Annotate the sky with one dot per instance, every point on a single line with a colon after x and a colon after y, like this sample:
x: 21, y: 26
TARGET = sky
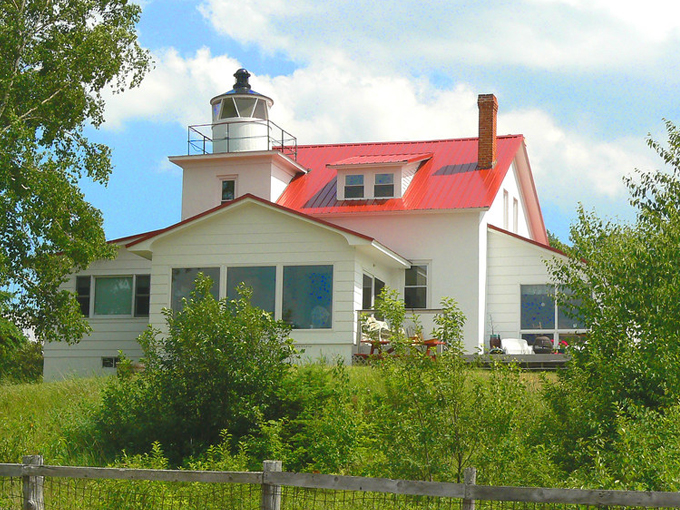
x: 585, y: 81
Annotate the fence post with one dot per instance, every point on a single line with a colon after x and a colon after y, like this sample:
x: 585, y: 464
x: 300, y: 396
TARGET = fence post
x: 470, y: 478
x: 271, y: 494
x: 33, y: 485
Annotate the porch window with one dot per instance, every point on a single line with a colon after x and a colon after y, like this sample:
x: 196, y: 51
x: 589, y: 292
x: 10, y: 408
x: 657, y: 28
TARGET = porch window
x: 371, y: 290
x: 541, y: 315
x: 354, y: 186
x: 415, y: 287
x: 183, y: 283
x: 308, y: 296
x: 261, y: 279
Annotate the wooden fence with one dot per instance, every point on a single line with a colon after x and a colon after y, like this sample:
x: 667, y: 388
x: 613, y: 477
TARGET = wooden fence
x: 272, y: 479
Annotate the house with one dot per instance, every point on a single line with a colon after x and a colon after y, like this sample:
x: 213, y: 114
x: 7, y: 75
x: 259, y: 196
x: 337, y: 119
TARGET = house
x: 318, y: 230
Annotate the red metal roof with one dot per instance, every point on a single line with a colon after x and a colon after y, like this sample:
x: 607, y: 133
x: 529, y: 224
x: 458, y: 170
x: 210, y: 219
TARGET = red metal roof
x: 387, y: 159
x: 449, y: 179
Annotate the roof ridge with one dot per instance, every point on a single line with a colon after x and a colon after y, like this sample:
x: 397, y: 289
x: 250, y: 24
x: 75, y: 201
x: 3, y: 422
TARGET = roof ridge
x: 406, y: 142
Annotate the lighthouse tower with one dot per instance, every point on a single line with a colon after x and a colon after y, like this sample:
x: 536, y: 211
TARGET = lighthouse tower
x: 240, y: 118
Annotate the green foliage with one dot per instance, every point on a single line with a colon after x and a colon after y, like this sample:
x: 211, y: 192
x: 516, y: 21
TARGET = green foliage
x: 449, y: 324
x: 56, y: 56
x: 20, y: 360
x: 219, y: 367
x: 625, y: 279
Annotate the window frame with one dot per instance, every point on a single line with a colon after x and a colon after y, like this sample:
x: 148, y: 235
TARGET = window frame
x: 354, y: 187
x: 556, y: 333
x: 223, y: 181
x: 285, y: 314
x: 374, y: 289
x: 377, y: 186
x: 91, y: 296
x: 426, y: 286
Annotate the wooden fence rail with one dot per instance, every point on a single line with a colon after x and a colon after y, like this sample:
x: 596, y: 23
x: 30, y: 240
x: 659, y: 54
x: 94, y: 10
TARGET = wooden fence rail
x: 272, y: 479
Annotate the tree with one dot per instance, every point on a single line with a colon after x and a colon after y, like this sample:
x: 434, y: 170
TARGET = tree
x: 623, y: 280
x: 56, y: 57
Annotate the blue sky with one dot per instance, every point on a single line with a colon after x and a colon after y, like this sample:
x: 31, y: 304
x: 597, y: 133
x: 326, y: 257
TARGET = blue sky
x: 584, y: 81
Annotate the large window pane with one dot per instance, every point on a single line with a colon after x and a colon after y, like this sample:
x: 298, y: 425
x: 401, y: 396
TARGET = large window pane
x: 308, y: 296
x: 113, y: 296
x: 538, y: 307
x: 567, y: 317
x: 183, y: 283
x: 261, y: 279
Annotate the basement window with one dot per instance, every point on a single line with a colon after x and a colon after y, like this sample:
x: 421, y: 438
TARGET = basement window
x: 110, y: 361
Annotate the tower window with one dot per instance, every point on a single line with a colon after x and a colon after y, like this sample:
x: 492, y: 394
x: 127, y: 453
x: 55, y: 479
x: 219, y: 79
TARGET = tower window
x: 228, y: 190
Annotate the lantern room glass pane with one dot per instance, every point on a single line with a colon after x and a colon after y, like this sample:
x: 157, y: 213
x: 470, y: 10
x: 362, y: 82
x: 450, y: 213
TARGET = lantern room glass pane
x: 308, y: 296
x: 260, y: 110
x: 228, y: 109
x: 245, y: 106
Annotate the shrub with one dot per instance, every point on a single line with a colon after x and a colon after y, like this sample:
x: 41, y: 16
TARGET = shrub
x: 219, y: 367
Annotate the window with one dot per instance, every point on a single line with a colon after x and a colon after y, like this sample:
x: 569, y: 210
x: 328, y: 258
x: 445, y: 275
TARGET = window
x: 308, y: 296
x: 354, y: 186
x: 113, y: 295
x: 384, y: 186
x: 371, y: 290
x: 228, y: 190
x: 415, y: 287
x: 110, y: 361
x: 506, y: 209
x: 541, y: 316
x: 183, y: 283
x: 262, y: 280
x: 110, y: 296
x: 142, y: 294
x: 83, y: 294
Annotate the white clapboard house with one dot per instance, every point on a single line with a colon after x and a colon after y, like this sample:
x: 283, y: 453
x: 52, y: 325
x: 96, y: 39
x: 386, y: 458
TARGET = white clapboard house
x: 318, y: 230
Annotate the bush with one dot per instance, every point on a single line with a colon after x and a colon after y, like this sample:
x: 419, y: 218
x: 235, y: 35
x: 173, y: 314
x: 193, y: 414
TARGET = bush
x: 20, y: 360
x: 220, y: 367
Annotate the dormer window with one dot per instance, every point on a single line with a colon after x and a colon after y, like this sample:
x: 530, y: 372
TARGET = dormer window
x: 379, y: 177
x: 384, y: 186
x: 354, y: 186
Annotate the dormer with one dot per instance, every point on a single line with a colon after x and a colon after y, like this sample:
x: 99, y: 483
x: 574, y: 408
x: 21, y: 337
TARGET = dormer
x: 240, y: 152
x: 376, y: 177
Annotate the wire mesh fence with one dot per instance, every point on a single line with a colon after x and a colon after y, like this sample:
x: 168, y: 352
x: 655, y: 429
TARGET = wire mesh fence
x: 37, y: 487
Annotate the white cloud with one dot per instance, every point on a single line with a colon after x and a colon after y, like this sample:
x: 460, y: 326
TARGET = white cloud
x: 341, y: 101
x: 552, y: 35
x: 178, y: 89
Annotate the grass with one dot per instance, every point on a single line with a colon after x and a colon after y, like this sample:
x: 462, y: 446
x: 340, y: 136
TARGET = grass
x: 46, y: 419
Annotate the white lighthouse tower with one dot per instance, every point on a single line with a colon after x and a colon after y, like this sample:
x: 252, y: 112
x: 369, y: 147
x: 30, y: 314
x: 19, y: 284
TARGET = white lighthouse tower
x: 240, y: 118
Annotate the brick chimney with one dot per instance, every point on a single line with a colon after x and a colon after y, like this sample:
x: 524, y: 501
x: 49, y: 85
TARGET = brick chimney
x: 488, y: 110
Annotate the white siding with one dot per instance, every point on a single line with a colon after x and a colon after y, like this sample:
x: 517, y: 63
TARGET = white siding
x: 511, y: 263
x: 499, y: 209
x: 254, y: 235
x: 109, y: 335
x: 448, y: 242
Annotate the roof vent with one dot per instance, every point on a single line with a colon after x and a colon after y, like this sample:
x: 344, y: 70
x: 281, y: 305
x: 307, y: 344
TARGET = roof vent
x: 241, y: 84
